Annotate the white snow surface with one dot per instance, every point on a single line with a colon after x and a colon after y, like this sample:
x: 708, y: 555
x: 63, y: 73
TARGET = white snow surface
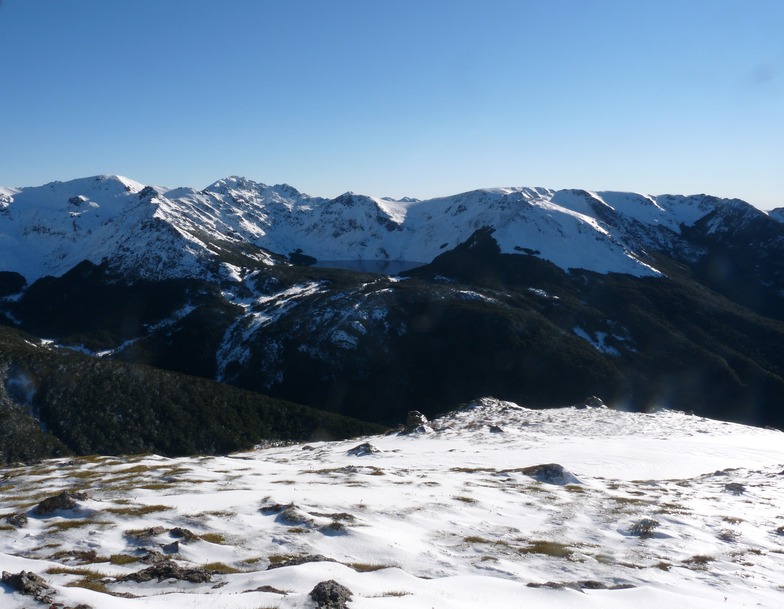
x: 669, y: 510
x: 159, y: 232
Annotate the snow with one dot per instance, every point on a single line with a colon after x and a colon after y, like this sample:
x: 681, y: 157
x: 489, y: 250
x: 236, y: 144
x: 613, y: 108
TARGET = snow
x: 643, y: 208
x: 259, y: 312
x: 447, y: 518
x: 542, y: 293
x: 471, y: 295
x: 597, y: 341
x: 174, y: 232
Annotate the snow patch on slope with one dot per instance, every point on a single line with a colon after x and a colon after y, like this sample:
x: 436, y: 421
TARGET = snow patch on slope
x: 259, y: 312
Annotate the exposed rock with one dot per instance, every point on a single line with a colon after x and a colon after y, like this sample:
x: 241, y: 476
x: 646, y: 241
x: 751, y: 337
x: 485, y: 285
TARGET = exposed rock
x: 269, y: 589
x: 735, y: 488
x: 584, y: 584
x: 153, y: 557
x: 363, y: 449
x: 298, y: 258
x: 593, y: 402
x: 416, y: 422
x: 331, y: 595
x: 415, y: 418
x: 184, y: 534
x: 590, y: 402
x: 496, y: 429
x: 61, y: 501
x: 294, y: 561
x: 148, y: 191
x: 168, y: 570
x: 171, y: 548
x: 29, y: 584
x: 17, y: 520
x: 550, y: 473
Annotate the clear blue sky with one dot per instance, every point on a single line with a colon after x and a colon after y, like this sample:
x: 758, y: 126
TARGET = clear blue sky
x: 419, y: 98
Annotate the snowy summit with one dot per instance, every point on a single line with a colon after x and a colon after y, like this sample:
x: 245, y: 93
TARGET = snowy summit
x: 493, y: 504
x: 161, y: 232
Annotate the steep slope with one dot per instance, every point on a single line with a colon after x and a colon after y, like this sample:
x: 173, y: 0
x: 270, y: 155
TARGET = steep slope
x: 530, y: 294
x: 475, y: 321
x: 54, y: 402
x: 48, y: 230
x: 161, y: 233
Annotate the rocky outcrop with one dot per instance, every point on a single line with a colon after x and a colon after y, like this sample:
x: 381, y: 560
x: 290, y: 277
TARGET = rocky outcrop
x: 293, y: 561
x: 363, y: 449
x: 61, y: 501
x: 29, y: 584
x: 330, y: 595
x: 168, y: 570
x: 551, y: 473
x: 17, y: 520
x: 416, y: 422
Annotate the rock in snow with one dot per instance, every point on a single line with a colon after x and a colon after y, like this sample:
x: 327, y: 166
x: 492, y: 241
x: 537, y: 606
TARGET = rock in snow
x: 551, y: 473
x: 29, y: 584
x: 330, y: 595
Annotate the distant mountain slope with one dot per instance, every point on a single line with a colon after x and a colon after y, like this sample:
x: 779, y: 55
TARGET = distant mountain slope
x: 529, y: 294
x: 155, y: 232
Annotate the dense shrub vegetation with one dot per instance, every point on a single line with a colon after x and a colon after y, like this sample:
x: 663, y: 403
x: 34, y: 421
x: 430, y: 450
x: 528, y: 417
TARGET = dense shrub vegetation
x: 474, y: 322
x: 89, y: 405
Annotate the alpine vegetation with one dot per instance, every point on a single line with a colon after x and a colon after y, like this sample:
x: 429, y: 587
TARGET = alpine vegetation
x: 582, y: 506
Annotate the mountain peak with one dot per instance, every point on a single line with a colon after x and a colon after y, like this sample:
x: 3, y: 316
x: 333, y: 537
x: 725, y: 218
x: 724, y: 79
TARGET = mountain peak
x: 777, y: 214
x: 575, y: 229
x: 234, y: 182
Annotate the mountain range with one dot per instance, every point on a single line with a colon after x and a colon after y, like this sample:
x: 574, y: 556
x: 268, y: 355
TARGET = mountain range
x: 370, y: 307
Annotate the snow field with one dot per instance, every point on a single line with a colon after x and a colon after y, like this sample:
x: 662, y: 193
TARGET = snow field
x: 668, y: 509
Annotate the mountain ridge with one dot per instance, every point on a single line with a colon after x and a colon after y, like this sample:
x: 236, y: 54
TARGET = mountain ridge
x: 532, y: 295
x: 99, y: 218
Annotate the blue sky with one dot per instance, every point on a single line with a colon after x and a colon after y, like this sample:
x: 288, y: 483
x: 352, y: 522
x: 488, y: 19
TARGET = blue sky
x: 419, y: 98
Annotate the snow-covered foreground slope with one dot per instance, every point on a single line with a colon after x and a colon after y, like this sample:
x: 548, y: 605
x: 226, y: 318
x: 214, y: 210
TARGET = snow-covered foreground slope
x: 663, y: 509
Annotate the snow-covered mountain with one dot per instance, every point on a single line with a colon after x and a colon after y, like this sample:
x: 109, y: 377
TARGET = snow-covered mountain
x: 157, y: 232
x: 526, y: 293
x: 494, y: 505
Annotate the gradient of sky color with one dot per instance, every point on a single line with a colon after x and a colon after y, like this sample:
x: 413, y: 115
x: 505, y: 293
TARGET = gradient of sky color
x: 419, y: 98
